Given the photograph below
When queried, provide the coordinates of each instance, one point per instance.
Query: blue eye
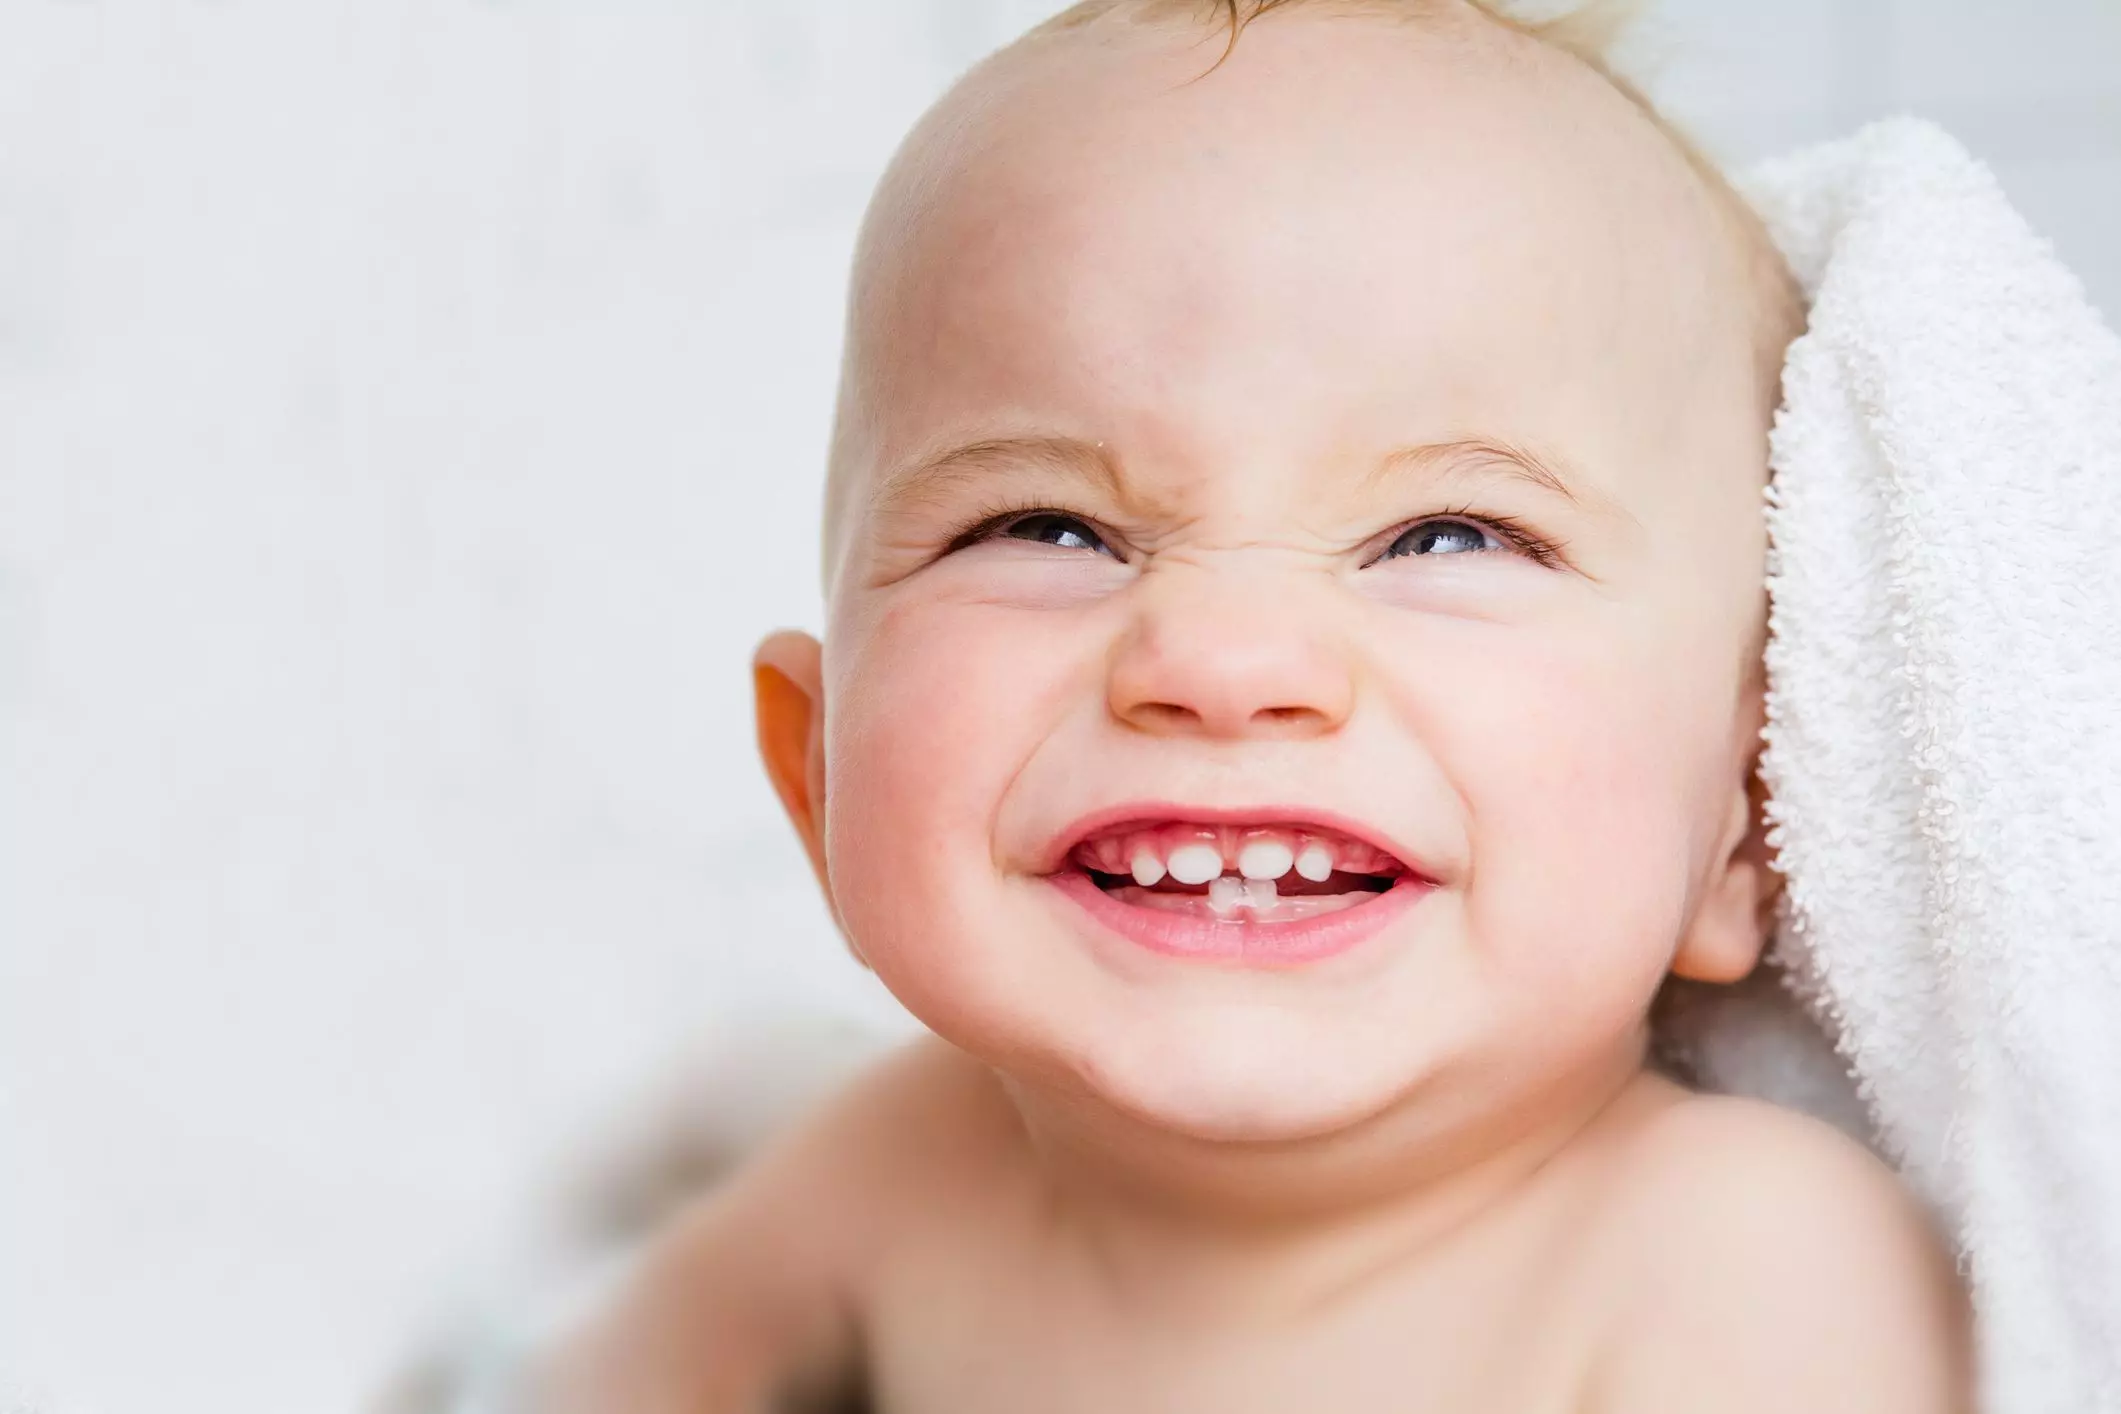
(1441, 537)
(1052, 528)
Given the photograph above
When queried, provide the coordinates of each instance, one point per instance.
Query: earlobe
(1729, 930)
(787, 680)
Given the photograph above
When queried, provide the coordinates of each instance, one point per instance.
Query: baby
(1289, 700)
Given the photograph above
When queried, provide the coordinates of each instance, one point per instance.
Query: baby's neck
(1239, 1227)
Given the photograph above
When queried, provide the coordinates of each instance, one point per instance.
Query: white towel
(1944, 734)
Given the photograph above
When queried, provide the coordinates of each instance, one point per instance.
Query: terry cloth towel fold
(1943, 750)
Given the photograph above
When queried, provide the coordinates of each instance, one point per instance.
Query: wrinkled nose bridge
(1231, 652)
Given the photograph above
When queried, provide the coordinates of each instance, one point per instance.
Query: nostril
(1226, 659)
(1304, 719)
(1164, 716)
(1178, 719)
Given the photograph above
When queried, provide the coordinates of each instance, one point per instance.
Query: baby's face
(1298, 570)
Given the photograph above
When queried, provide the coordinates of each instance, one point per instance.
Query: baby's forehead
(1089, 223)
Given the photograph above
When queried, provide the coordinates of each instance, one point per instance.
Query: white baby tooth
(1261, 893)
(1225, 893)
(1265, 859)
(1147, 869)
(1315, 863)
(1195, 863)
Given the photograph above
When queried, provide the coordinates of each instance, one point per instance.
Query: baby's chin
(1246, 1075)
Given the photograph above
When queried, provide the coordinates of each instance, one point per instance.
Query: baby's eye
(1053, 528)
(1441, 536)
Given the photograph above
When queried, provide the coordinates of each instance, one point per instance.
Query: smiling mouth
(1235, 874)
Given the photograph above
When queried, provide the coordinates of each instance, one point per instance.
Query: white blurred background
(410, 415)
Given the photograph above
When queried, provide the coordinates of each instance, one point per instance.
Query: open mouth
(1270, 873)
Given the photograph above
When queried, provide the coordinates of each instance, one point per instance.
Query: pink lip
(1252, 944)
(1286, 944)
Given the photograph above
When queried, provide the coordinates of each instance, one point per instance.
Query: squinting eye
(1052, 528)
(1441, 537)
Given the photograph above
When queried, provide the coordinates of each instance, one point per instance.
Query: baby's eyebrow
(972, 462)
(1479, 454)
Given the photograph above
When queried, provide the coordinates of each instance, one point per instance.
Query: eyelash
(1539, 549)
(1514, 533)
(996, 516)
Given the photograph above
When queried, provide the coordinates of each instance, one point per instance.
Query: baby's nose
(1230, 655)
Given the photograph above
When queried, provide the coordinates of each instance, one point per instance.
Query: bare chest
(977, 1331)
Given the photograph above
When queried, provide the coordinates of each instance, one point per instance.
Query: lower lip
(1289, 944)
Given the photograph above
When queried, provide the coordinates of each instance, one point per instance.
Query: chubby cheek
(932, 710)
(1586, 772)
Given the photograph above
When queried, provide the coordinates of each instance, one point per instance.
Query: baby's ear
(1730, 926)
(788, 693)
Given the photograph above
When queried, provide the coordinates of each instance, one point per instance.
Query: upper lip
(1159, 812)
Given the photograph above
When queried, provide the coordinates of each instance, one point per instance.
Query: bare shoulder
(1764, 1260)
(900, 1137)
(755, 1290)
